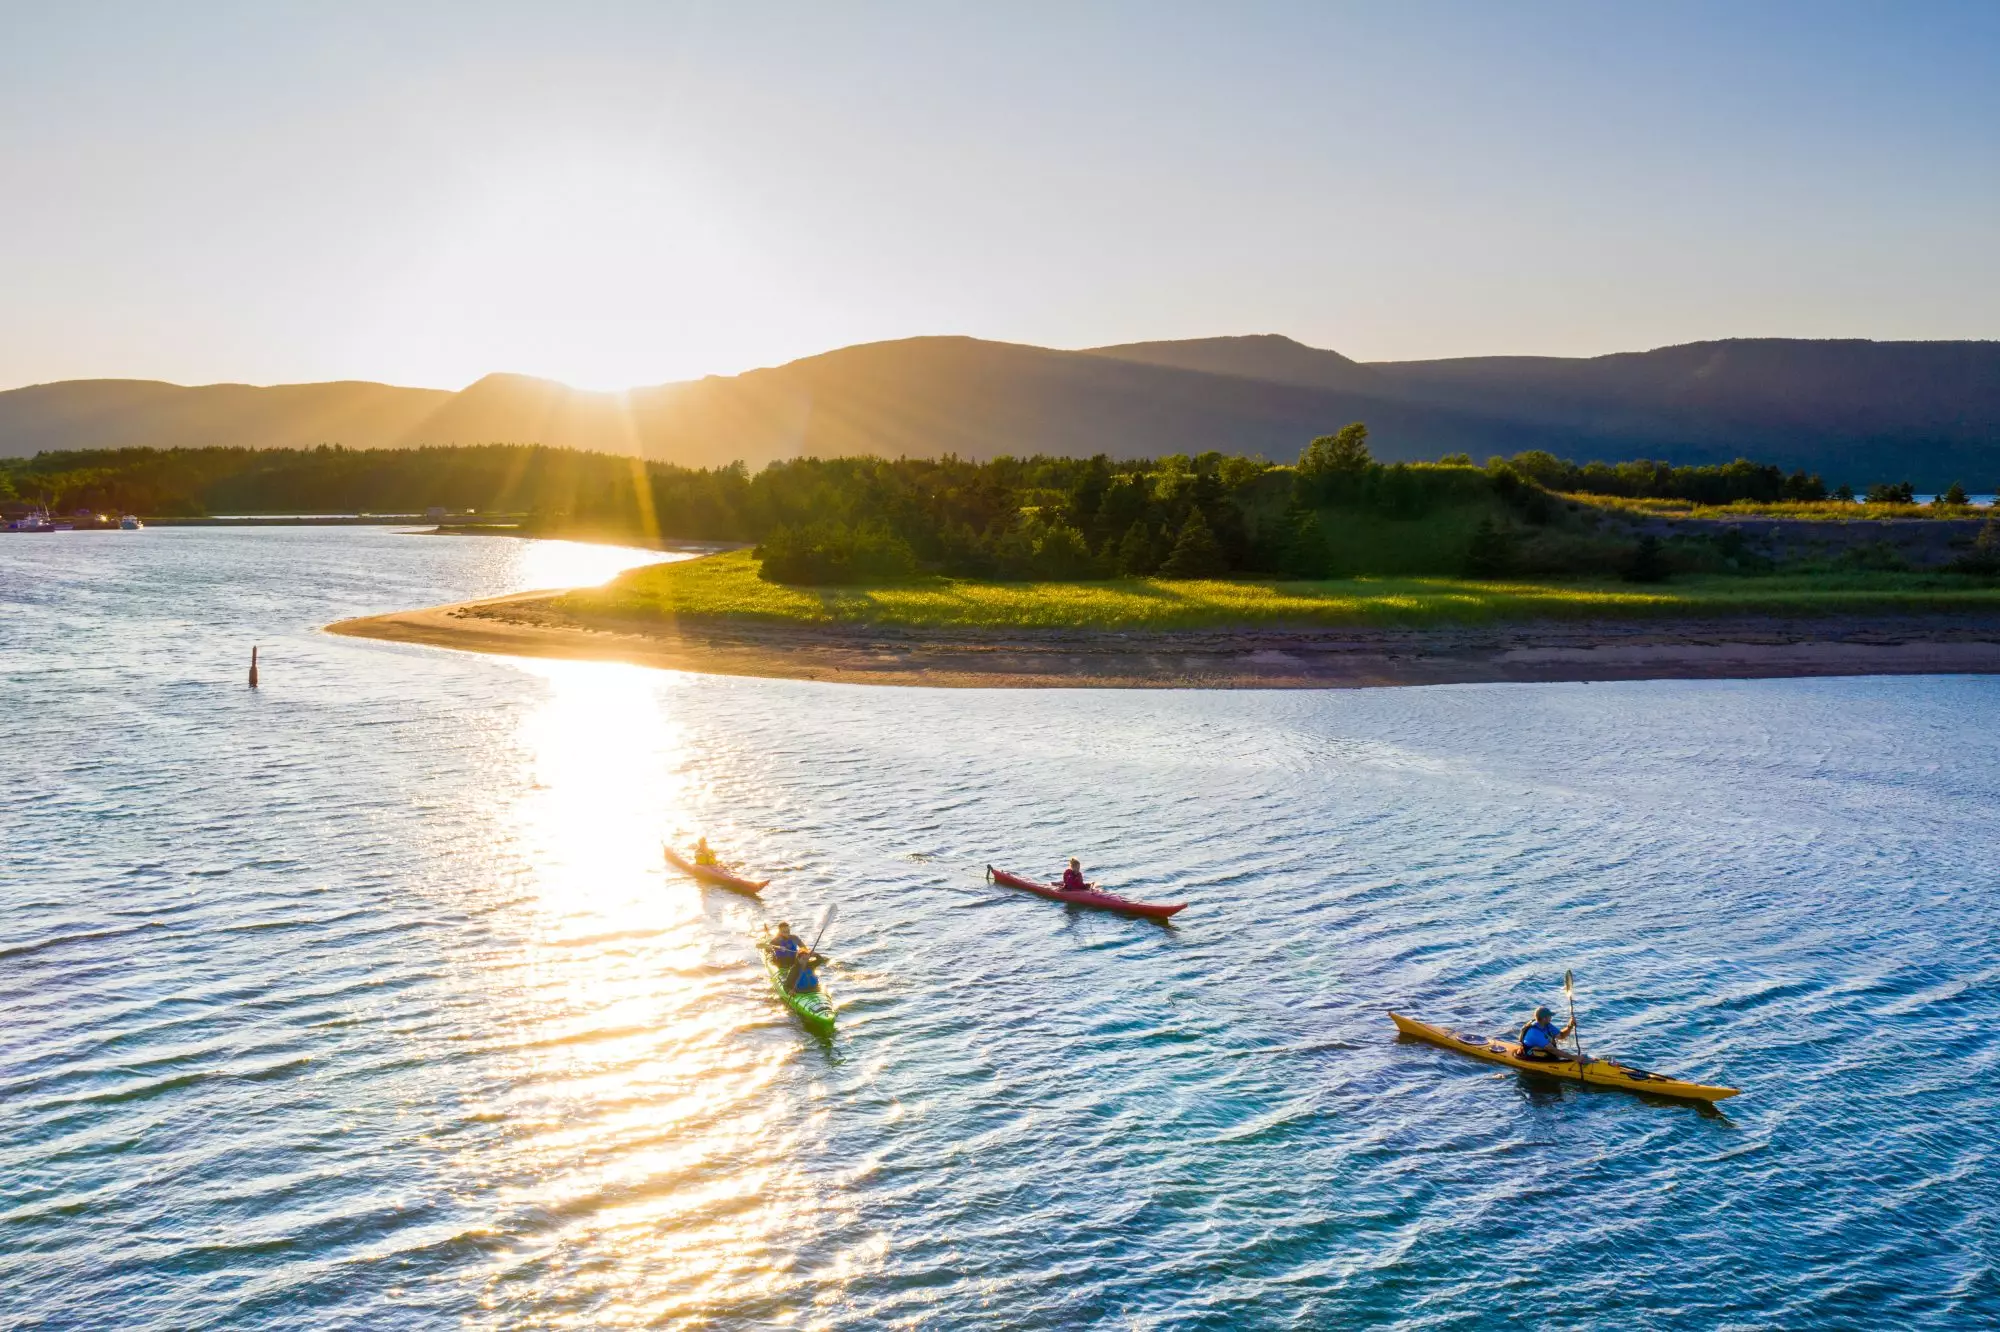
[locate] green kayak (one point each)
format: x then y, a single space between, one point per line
814 1010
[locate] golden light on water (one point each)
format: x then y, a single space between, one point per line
552 564
659 1130
604 762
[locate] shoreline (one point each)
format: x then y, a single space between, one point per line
1537 651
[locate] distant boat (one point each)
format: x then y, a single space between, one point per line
129 523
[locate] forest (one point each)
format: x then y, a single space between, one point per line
1335 512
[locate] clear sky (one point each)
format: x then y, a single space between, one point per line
615 194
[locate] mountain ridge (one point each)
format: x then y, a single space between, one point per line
1856 409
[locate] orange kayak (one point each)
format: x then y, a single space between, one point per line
710 874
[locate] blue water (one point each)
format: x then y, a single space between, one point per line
364 1000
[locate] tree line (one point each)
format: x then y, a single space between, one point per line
1718 483
862 518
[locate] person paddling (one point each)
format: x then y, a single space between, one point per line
1072 879
785 945
802 979
703 856
1540 1039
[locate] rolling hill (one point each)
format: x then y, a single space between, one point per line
1856 410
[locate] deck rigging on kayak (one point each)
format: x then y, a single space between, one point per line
712 873
1089 896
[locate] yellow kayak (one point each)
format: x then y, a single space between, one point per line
1596 1072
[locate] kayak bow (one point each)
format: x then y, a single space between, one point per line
814 1011
1596 1072
710 874
1102 901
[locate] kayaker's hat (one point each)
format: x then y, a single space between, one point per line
1543 1014
784 927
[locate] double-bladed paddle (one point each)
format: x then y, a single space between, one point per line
1569 993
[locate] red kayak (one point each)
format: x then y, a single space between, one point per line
710 874
1093 898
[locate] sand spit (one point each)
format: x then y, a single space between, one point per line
527 625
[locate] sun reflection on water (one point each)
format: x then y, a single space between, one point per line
543 564
604 758
654 1167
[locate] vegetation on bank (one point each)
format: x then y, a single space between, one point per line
1335 513
1840 511
727 586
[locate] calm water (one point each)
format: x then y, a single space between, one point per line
363 1000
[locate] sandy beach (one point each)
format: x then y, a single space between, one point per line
527 625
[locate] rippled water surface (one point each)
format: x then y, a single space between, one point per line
365 999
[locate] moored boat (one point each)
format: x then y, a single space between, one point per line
722 878
1593 1072
1091 898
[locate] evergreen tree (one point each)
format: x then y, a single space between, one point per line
1305 553
1135 552
1196 554
1648 563
1491 553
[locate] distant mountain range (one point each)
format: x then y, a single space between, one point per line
1856 410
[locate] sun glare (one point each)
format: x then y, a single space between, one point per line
664 1143
603 752
552 564
603 271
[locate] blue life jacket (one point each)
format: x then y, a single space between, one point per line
1539 1036
806 982
785 949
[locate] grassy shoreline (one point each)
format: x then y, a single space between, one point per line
726 587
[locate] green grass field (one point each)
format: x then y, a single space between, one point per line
727 586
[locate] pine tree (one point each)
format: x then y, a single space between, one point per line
1305 553
1648 563
1491 553
1135 552
1196 554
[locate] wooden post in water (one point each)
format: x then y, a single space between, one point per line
253 668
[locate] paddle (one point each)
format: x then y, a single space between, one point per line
825 919
1569 993
801 959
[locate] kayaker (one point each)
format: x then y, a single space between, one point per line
802 978
1540 1039
1072 879
785 945
703 856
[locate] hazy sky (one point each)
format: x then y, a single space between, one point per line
616 194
